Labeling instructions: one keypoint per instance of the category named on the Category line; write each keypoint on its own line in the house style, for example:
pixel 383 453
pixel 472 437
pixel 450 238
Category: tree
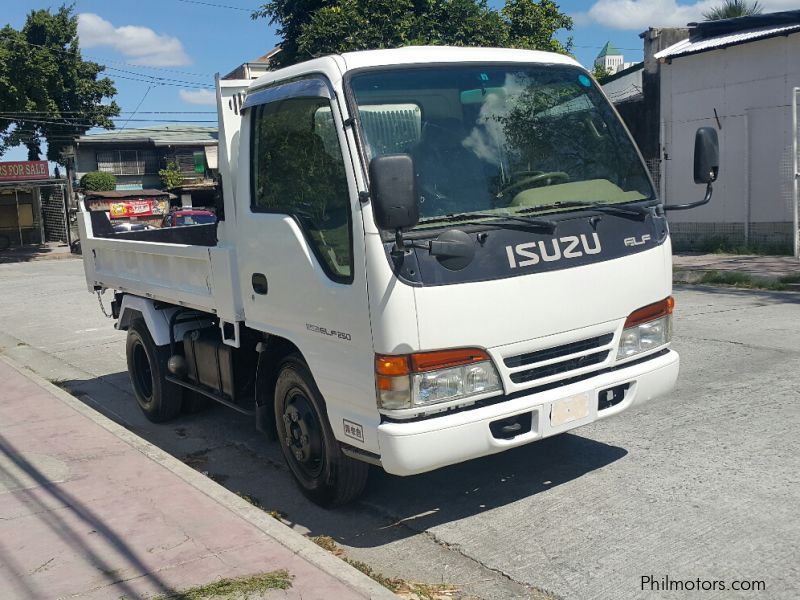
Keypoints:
pixel 47 91
pixel 171 177
pixel 98 181
pixel 730 9
pixel 311 28
pixel 600 72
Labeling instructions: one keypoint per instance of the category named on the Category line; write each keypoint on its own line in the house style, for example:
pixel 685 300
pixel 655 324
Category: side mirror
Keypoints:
pixel 706 155
pixel 394 191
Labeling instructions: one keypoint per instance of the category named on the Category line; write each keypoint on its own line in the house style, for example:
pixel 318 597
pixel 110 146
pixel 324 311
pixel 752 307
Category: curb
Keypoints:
pixel 297 543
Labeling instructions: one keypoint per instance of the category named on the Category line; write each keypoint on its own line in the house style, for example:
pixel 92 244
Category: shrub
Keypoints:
pixel 97 181
pixel 171 177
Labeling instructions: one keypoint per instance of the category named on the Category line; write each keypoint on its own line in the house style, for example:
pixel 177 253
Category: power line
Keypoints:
pixel 212 4
pixel 166 82
pixel 102 62
pixel 147 91
pixel 156 78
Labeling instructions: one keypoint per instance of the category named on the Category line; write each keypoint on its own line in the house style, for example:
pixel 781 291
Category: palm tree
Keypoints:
pixel 730 9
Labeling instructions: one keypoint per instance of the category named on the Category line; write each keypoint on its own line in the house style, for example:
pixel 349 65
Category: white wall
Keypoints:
pixel 750 86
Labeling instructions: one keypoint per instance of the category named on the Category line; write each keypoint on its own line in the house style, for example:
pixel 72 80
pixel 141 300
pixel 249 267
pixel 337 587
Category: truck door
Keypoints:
pixel 300 243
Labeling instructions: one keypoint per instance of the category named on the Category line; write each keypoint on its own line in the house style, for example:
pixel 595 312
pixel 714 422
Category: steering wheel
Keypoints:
pixel 548 177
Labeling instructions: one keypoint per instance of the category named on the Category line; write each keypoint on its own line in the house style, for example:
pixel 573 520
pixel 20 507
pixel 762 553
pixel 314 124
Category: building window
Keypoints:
pixel 298 170
pixel 127 162
pixel 191 162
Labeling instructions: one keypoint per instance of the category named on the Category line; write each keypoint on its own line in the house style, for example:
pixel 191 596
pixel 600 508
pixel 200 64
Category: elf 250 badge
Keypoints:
pixel 571 246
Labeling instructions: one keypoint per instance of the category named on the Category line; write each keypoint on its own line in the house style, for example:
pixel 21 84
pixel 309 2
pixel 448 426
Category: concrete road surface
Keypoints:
pixel 699 487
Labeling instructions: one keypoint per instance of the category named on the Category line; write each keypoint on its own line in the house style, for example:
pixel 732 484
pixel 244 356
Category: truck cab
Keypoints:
pixel 422 256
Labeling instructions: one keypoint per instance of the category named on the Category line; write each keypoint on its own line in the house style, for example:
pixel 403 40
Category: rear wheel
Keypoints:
pixel 326 476
pixel 159 399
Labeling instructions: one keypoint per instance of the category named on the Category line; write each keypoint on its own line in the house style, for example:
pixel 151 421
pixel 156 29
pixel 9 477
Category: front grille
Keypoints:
pixel 564 366
pixel 558 351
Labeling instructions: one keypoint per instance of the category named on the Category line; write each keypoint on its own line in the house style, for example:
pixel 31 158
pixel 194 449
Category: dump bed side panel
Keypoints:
pixel 174 273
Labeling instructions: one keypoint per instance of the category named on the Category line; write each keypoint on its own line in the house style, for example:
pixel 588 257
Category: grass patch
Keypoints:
pixel 404 589
pixel 239 587
pixel 275 514
pixel 744 280
pixel 61 383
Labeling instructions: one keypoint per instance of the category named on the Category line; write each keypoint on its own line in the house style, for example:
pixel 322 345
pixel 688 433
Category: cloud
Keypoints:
pixel 638 15
pixel 140 45
pixel 198 96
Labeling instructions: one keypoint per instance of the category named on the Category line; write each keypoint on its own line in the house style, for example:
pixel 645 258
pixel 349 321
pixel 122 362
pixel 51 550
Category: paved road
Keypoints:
pixel 702 484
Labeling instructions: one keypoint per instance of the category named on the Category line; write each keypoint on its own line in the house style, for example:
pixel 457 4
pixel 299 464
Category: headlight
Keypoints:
pixel 646 329
pixel 425 378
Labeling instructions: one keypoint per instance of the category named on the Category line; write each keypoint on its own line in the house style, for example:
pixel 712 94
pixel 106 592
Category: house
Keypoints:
pixel 741 77
pixel 611 59
pixel 135 156
pixel 254 68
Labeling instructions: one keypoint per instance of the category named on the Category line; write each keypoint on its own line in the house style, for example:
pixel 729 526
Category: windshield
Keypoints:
pixel 500 139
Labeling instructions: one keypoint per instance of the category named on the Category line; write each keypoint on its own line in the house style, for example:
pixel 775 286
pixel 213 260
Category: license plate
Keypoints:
pixel 569 409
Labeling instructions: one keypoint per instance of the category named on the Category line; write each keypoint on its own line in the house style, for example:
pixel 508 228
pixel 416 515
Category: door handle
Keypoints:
pixel 259 281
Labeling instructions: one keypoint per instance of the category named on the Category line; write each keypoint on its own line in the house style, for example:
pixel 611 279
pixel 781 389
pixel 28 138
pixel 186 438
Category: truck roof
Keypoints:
pixel 446 54
pixel 409 55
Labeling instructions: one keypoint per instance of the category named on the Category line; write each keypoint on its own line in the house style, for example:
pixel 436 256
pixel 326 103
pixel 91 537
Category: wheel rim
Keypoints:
pixel 302 435
pixel 142 372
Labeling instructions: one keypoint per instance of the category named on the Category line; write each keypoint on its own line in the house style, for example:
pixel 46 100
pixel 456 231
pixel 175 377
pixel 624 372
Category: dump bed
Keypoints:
pixel 179 265
pixel 185 266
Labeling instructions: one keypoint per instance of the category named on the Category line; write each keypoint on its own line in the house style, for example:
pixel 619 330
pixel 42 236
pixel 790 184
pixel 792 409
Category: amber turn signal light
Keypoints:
pixel 651 312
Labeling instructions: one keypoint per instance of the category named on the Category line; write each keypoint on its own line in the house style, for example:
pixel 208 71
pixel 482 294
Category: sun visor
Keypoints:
pixel 313 87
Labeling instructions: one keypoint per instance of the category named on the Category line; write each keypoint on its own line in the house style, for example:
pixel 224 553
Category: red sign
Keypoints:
pixel 136 208
pixel 29 170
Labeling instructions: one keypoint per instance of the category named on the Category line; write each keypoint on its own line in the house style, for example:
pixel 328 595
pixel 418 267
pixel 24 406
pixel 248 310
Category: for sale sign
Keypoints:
pixel 29 170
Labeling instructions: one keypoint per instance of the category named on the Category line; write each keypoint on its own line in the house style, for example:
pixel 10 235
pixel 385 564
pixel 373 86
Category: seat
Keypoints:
pixel 450 176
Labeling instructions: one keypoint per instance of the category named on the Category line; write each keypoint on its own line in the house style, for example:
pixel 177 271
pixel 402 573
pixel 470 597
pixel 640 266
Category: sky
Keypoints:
pixel 162 54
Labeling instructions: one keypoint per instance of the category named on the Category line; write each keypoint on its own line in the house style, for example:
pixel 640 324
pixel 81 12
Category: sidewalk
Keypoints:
pixel 89 509
pixel 691 267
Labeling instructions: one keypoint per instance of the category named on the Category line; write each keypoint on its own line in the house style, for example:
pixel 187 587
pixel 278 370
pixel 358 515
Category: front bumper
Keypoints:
pixel 424 445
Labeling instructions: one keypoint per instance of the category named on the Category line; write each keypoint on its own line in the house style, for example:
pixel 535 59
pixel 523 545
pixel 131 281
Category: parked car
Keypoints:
pixel 179 218
pixel 129 226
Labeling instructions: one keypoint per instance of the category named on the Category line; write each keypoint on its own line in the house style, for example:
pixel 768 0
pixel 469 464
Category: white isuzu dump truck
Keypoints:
pixel 422 256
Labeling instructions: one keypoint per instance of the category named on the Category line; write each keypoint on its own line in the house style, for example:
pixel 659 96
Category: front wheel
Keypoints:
pixel 326 476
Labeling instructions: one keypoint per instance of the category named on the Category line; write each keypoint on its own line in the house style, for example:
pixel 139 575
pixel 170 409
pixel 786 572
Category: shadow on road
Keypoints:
pixel 36 252
pixel 224 445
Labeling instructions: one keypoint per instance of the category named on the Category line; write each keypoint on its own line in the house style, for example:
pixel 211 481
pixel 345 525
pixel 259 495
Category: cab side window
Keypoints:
pixel 298 169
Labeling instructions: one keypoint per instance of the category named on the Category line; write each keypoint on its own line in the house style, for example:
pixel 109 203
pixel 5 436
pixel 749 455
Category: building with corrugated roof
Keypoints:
pixel 742 77
pixel 135 156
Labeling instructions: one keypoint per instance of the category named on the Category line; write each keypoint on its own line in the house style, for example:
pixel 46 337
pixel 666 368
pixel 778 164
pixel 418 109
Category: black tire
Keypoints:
pixel 325 475
pixel 159 399
pixel 5 242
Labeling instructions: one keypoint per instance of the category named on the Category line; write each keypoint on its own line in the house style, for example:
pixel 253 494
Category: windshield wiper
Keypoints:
pixel 498 219
pixel 636 211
